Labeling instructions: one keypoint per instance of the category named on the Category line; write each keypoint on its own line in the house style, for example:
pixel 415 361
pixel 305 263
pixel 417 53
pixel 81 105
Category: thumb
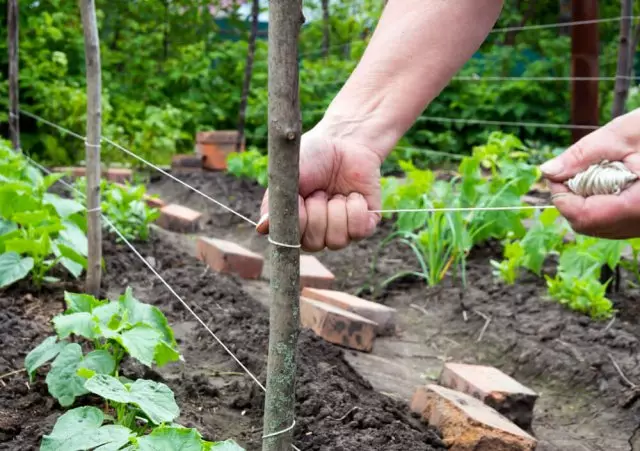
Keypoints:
pixel 600 145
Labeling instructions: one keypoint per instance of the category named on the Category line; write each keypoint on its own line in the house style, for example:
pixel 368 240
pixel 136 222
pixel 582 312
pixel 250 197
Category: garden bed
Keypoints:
pixel 212 395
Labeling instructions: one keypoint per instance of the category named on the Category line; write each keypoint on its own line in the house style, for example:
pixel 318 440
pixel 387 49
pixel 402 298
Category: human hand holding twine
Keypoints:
pixel 614 216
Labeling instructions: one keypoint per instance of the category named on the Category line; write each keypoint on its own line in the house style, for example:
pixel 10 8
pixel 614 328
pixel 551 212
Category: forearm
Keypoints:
pixel 416 49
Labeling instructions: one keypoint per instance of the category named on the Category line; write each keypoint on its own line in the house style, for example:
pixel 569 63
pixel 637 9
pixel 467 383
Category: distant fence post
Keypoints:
pixel 285 19
pixel 92 144
pixel 625 59
pixel 13 19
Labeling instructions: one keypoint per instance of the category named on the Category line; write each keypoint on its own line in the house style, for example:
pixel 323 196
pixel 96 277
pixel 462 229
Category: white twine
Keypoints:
pixel 283 431
pixel 605 178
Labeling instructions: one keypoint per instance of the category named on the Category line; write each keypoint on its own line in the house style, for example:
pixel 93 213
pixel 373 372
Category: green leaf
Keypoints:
pixel 6 226
pixel 82 324
pixel 169 438
pixel 31 218
pixel 64 207
pixel 41 354
pixel 164 354
pixel 74 237
pixel 71 260
pixel 227 445
pixel 80 302
pixel 63 381
pixel 81 429
pixel 155 399
pixel 141 342
pixel 13 268
pixel 139 312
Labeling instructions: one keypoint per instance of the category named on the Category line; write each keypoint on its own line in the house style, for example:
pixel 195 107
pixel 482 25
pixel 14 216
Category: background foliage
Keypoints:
pixel 170 68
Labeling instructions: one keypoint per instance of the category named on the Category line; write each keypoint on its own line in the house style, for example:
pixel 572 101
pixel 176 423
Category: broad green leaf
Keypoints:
pixel 63 381
pixel 50 179
pixel 164 354
pixel 80 302
pixel 64 207
pixel 82 324
pixel 108 315
pixel 13 268
pixel 6 226
pixel 227 445
pixel 155 399
pixel 139 312
pixel 31 218
pixel 41 354
pixel 166 438
pixel 74 237
pixel 23 246
pixel 71 260
pixel 141 342
pixel 81 429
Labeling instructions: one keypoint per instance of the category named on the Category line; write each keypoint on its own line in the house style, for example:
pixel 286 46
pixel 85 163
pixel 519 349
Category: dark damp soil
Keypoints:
pixel 336 408
pixel 536 340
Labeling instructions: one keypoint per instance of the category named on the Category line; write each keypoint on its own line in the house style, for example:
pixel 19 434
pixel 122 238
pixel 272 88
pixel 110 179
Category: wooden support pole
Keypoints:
pixel 326 28
pixel 13 19
pixel 248 72
pixel 584 63
pixel 285 17
pixel 625 58
pixel 92 144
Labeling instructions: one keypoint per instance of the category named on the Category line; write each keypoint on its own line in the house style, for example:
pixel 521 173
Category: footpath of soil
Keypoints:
pixel 563 355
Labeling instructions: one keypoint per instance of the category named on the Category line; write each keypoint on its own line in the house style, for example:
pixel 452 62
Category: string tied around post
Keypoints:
pixel 283 431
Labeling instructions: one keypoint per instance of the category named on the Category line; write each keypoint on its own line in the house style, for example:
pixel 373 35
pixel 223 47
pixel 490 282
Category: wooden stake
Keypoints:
pixel 285 17
pixel 248 72
pixel 92 145
pixel 625 58
pixel 326 28
pixel 14 108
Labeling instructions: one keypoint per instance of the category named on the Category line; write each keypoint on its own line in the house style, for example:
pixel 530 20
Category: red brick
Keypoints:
pixel 119 175
pixel 73 171
pixel 313 274
pixel 186 163
pixel 494 388
pixel 179 218
pixel 154 202
pixel 467 424
pixel 336 325
pixel 384 316
pixel 228 257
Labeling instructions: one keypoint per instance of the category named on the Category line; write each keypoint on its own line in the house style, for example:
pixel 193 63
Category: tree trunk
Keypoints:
pixel 624 60
pixel 284 156
pixel 92 144
pixel 584 63
pixel 13 19
pixel 326 31
pixel 248 72
pixel 634 47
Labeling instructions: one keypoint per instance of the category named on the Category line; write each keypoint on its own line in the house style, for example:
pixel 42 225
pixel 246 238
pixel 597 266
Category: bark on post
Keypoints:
pixel 14 103
pixel 92 144
pixel 248 72
pixel 584 63
pixel 624 60
pixel 326 30
pixel 285 17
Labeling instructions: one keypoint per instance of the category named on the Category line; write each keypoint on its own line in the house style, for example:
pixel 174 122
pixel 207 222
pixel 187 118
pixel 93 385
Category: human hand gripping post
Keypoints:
pixel 398 76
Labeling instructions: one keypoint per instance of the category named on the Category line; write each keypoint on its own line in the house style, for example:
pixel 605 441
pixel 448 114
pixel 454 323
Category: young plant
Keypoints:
pixel 38 229
pixel 125 206
pixel 250 164
pixel 113 329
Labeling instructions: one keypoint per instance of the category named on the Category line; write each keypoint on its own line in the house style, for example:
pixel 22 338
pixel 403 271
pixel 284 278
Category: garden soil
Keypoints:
pixel 574 363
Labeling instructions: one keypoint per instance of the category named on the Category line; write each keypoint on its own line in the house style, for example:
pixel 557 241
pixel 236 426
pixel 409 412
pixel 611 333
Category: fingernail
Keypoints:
pixel 263 218
pixel 372 224
pixel 552 167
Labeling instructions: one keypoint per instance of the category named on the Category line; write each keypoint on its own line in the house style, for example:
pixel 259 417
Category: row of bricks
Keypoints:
pixel 118 175
pixel 337 317
pixel 479 408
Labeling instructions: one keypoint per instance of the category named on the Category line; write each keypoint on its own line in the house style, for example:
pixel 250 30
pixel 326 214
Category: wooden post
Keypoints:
pixel 13 19
pixel 248 71
pixel 92 144
pixel 326 29
pixel 584 63
pixel 285 17
pixel 625 58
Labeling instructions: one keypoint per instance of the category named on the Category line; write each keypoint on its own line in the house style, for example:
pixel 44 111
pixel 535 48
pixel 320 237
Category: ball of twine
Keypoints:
pixel 605 178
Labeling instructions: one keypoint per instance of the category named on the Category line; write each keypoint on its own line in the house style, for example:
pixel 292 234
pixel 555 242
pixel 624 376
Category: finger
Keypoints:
pixel 316 210
pixel 600 145
pixel 337 235
pixel 263 224
pixel 358 219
